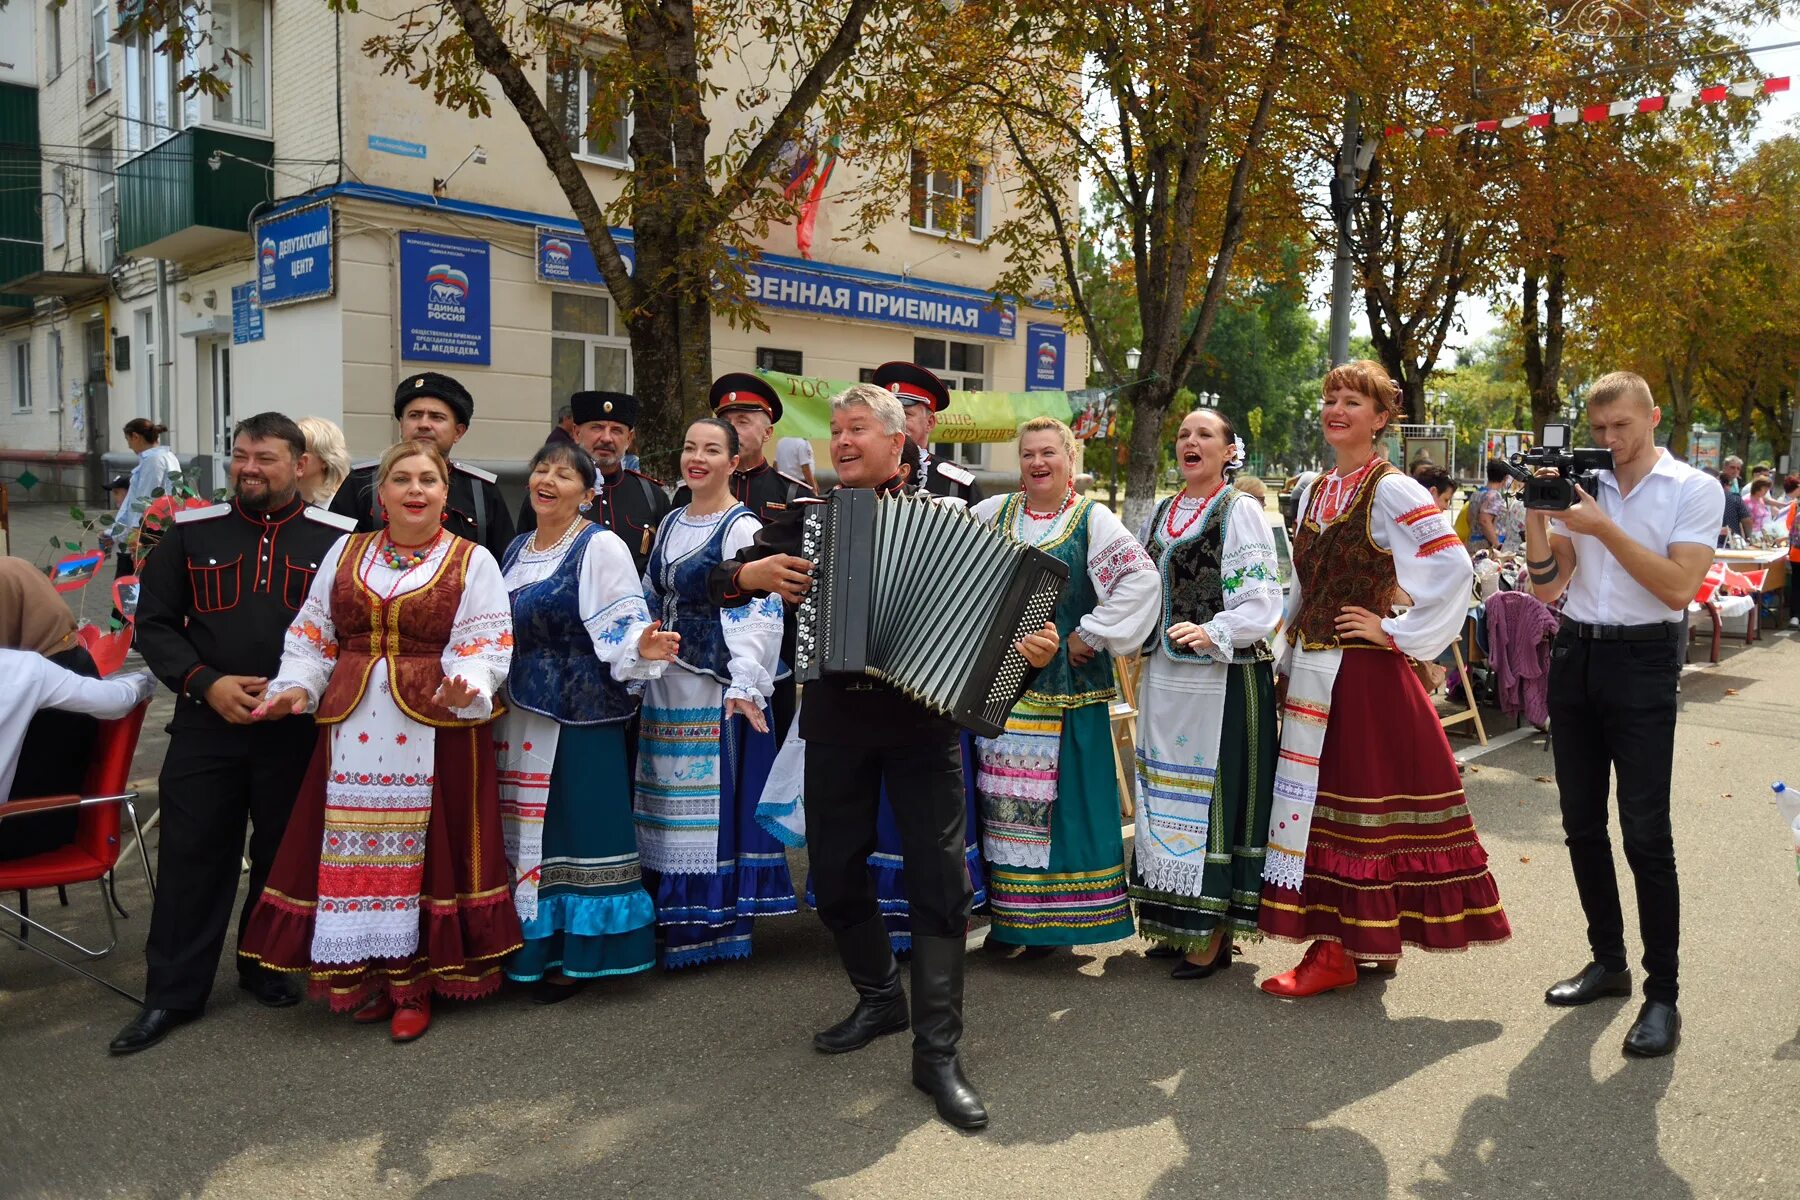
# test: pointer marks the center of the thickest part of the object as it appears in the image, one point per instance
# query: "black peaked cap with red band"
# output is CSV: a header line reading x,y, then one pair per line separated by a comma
x,y
913,384
740,389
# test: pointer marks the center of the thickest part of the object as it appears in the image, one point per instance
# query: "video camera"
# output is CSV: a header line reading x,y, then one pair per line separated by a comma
x,y
1572,466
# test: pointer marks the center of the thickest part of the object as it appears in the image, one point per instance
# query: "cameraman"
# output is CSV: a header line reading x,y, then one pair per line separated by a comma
x,y
1629,561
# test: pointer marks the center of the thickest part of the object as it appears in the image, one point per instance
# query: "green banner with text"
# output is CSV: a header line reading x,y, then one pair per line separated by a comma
x,y
971,417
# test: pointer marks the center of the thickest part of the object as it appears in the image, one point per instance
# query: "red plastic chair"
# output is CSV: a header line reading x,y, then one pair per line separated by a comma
x,y
93,854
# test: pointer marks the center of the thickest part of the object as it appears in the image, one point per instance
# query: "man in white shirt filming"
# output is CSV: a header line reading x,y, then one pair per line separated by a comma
x,y
1629,559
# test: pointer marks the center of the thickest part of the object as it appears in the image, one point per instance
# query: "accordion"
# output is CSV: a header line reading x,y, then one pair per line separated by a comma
x,y
925,598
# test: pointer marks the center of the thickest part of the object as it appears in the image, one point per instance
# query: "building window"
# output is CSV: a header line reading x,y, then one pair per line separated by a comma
x,y
105,217
952,203
588,351
100,28
20,360
54,370
56,206
53,55
963,368
156,106
569,97
788,362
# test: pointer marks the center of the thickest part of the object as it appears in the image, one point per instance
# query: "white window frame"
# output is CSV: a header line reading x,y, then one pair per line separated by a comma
x,y
100,31
105,193
956,195
578,146
611,341
151,77
53,42
18,362
56,207
969,454
53,369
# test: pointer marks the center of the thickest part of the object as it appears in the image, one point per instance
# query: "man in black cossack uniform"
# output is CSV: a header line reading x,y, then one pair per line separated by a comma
x,y
860,734
753,409
628,502
923,396
435,408
216,598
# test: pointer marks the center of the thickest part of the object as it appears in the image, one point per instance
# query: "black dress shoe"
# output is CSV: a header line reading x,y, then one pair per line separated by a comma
x,y
1593,982
149,1027
546,992
1655,1032
1162,950
1187,970
271,991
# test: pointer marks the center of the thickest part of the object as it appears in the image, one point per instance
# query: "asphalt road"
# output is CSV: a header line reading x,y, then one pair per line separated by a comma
x,y
1105,1078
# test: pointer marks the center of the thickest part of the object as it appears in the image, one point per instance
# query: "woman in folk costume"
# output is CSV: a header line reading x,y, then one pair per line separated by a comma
x,y
705,747
1371,846
390,885
1206,704
580,627
1049,796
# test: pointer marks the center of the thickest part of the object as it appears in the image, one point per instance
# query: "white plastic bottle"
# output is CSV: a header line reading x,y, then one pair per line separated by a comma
x,y
1788,802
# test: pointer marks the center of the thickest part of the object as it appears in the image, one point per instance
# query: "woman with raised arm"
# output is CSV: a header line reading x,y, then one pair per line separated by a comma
x,y
581,630
390,886
1049,795
1371,847
1206,704
705,746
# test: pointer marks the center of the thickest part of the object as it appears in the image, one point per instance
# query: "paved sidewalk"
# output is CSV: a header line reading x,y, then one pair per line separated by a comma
x,y
1105,1078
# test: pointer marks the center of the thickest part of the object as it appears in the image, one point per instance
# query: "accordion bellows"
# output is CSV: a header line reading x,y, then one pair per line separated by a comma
x,y
925,598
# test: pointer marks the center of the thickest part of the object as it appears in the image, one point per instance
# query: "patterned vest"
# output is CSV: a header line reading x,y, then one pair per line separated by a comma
x,y
1061,684
687,609
408,632
555,672
1193,582
1339,564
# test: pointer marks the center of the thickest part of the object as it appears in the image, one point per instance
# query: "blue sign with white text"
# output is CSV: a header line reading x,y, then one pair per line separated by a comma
x,y
246,315
388,145
820,290
1045,348
293,256
445,307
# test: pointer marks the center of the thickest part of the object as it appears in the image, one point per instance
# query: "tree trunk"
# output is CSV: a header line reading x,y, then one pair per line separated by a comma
x,y
1149,408
1543,337
1680,389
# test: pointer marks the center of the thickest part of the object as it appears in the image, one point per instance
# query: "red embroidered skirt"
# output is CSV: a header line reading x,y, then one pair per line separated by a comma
x,y
1392,858
467,922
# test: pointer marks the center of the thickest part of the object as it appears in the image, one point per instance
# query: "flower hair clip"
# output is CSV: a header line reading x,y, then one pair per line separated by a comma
x,y
1236,461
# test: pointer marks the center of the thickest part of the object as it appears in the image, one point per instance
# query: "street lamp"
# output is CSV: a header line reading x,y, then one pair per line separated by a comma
x,y
1133,357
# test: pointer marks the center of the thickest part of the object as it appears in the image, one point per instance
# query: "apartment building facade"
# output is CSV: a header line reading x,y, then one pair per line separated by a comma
x,y
322,230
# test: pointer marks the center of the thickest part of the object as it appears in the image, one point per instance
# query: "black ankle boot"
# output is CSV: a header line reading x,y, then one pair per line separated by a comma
x,y
868,959
937,971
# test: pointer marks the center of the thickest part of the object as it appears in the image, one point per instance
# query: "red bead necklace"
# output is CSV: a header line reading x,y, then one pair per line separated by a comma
x,y
1169,521
1068,500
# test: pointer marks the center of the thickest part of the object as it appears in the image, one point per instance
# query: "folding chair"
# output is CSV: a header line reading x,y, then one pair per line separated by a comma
x,y
93,854
1124,724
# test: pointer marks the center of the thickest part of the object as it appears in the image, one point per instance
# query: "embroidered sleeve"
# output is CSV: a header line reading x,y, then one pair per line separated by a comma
x,y
613,608
1250,577
309,650
752,631
1438,575
988,509
481,637
1129,586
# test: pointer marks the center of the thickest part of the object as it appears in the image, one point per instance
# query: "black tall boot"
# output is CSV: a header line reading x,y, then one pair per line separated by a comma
x,y
937,971
881,1002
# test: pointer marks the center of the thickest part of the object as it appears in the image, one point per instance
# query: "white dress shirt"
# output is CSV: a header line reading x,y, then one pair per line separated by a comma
x,y
1673,504
34,682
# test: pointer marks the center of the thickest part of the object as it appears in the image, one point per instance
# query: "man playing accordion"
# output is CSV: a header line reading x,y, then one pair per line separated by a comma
x,y
861,734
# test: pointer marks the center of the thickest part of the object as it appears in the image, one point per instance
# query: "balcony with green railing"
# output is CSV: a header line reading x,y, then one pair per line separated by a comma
x,y
192,194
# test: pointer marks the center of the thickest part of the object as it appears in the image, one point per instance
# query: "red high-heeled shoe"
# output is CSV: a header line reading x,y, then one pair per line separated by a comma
x,y
1325,968
411,1019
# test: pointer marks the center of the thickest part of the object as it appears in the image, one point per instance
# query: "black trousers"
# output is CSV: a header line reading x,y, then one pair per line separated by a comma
x,y
1612,713
925,787
212,782
783,703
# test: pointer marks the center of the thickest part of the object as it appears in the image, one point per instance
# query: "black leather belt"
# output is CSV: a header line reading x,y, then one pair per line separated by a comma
x,y
1654,631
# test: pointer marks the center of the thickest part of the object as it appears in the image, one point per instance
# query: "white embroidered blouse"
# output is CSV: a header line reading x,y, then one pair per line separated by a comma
x,y
609,592
1249,572
1124,578
480,648
753,631
1430,562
